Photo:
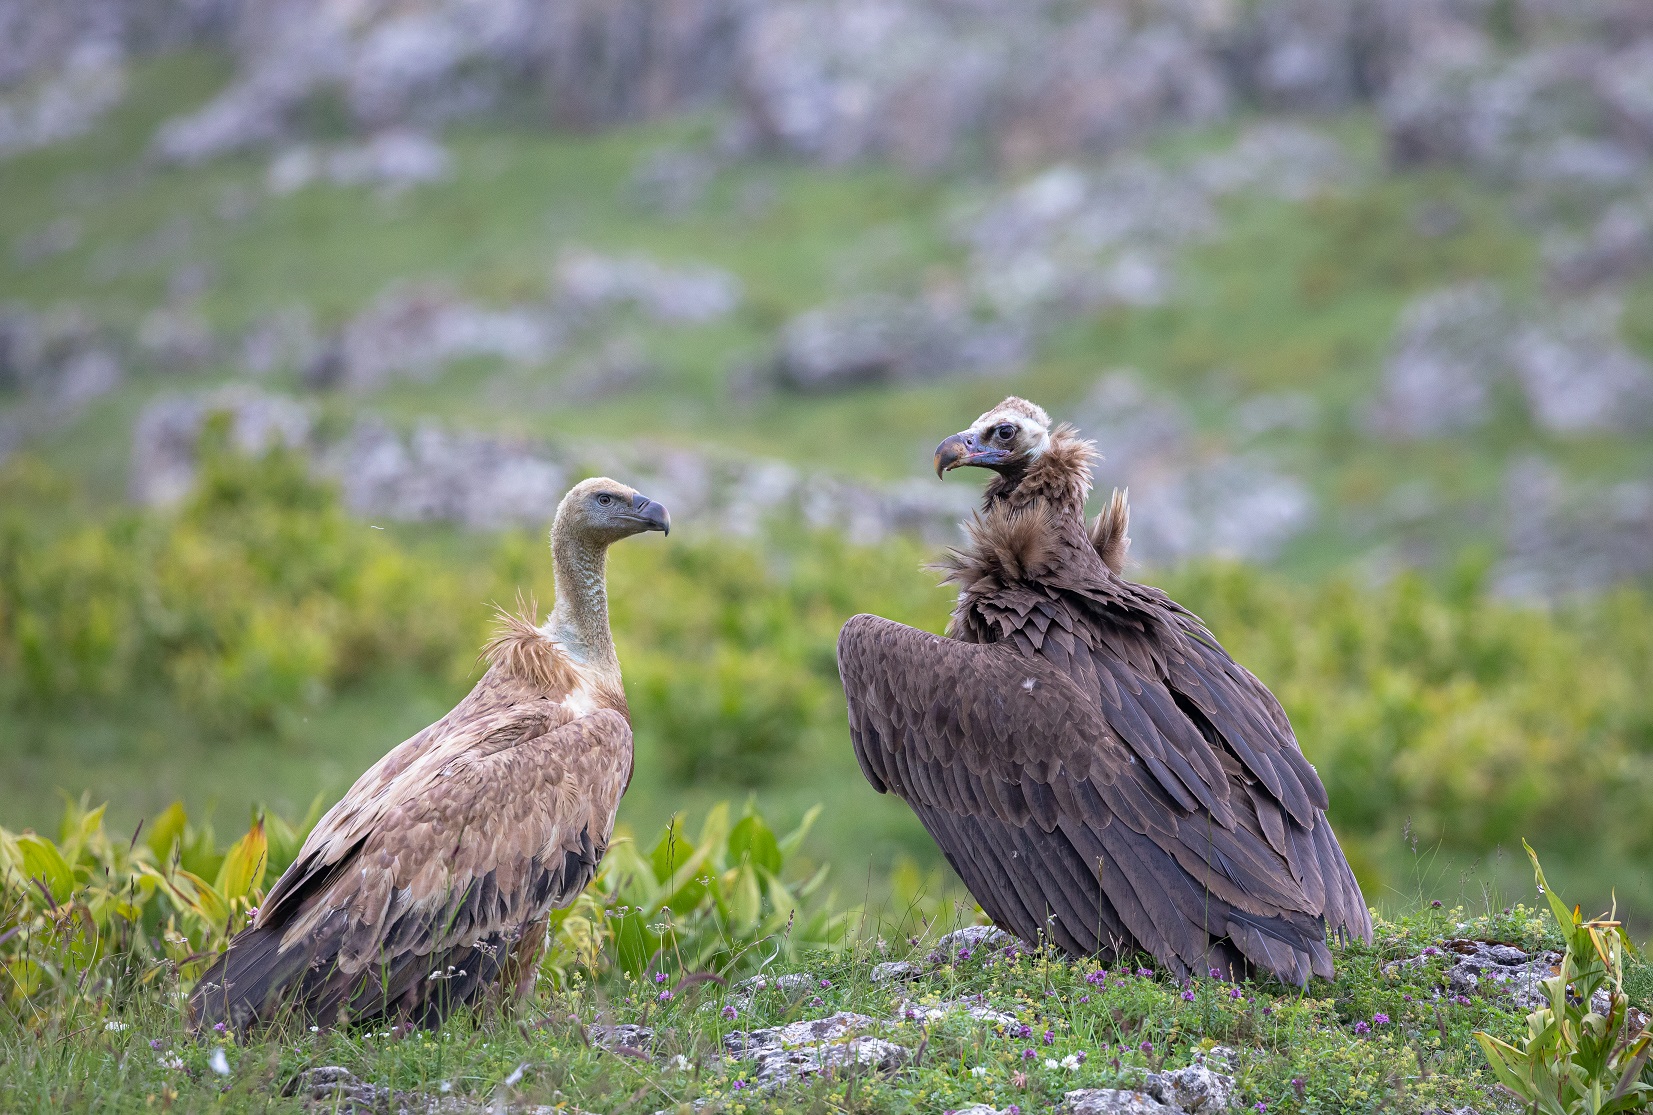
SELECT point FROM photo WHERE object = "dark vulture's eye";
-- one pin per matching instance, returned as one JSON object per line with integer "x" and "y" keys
{"x": 1005, "y": 432}
{"x": 605, "y": 499}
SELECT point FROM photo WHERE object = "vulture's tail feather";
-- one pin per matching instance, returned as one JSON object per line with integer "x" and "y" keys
{"x": 240, "y": 985}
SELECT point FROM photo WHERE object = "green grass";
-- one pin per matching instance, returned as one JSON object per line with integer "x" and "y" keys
{"x": 1302, "y": 1052}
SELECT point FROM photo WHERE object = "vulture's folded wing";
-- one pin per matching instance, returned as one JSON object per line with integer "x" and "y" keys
{"x": 1039, "y": 791}
{"x": 458, "y": 852}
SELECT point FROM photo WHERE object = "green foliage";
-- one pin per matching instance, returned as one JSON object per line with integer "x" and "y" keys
{"x": 1573, "y": 1059}
{"x": 250, "y": 602}
{"x": 722, "y": 902}
{"x": 93, "y": 910}
{"x": 91, "y": 913}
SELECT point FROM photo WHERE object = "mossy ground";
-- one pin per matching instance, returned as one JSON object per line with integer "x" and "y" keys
{"x": 1366, "y": 1042}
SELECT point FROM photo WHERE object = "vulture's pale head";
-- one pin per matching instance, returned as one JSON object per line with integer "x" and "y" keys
{"x": 1013, "y": 434}
{"x": 603, "y": 511}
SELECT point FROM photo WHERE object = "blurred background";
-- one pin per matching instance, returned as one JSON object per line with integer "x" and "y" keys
{"x": 311, "y": 309}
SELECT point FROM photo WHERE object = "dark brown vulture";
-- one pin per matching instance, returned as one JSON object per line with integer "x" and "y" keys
{"x": 1095, "y": 767}
{"x": 431, "y": 880}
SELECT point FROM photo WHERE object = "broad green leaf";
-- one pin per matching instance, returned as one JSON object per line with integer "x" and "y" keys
{"x": 42, "y": 861}
{"x": 794, "y": 840}
{"x": 753, "y": 841}
{"x": 242, "y": 872}
{"x": 167, "y": 830}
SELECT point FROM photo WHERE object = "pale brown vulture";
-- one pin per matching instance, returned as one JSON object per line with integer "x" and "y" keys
{"x": 432, "y": 879}
{"x": 1099, "y": 772}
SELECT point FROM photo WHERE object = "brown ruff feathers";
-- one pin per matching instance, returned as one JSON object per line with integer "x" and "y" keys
{"x": 1009, "y": 545}
{"x": 1110, "y": 532}
{"x": 521, "y": 649}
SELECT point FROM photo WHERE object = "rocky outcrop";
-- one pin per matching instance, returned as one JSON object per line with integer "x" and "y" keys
{"x": 784, "y": 1054}
{"x": 1190, "y": 495}
{"x": 434, "y": 473}
{"x": 1454, "y": 346}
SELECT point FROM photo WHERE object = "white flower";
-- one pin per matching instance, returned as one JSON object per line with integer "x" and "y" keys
{"x": 1050, "y": 1062}
{"x": 679, "y": 1063}
{"x": 219, "y": 1063}
{"x": 173, "y": 1062}
{"x": 979, "y": 1071}
{"x": 115, "y": 1027}
{"x": 315, "y": 1029}
{"x": 1071, "y": 1062}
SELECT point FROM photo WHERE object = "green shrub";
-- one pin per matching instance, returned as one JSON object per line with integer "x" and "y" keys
{"x": 1575, "y": 1059}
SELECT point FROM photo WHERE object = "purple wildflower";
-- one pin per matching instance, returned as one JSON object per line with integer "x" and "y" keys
{"x": 1081, "y": 1055}
{"x": 1013, "y": 1110}
{"x": 1406, "y": 998}
{"x": 1461, "y": 1000}
{"x": 1188, "y": 996}
{"x": 1267, "y": 1011}
{"x": 1380, "y": 1019}
{"x": 1236, "y": 993}
{"x": 156, "y": 1043}
{"x": 826, "y": 983}
{"x": 738, "y": 1085}
{"x": 1435, "y": 905}
{"x": 1216, "y": 974}
{"x": 219, "y": 1027}
{"x": 1145, "y": 973}
{"x": 1431, "y": 951}
{"x": 1146, "y": 1047}
{"x": 660, "y": 977}
{"x": 666, "y": 996}
{"x": 1028, "y": 1054}
{"x": 1084, "y": 998}
{"x": 730, "y": 1012}
{"x": 1050, "y": 1037}
{"x": 1362, "y": 1028}
{"x": 1298, "y": 1087}
{"x": 964, "y": 954}
{"x": 1261, "y": 1106}
{"x": 1025, "y": 1031}
{"x": 816, "y": 1001}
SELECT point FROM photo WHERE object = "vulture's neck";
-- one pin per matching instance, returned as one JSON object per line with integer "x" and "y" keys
{"x": 580, "y": 619}
{"x": 1057, "y": 481}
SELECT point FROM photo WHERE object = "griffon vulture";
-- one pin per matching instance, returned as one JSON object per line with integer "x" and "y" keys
{"x": 1095, "y": 767}
{"x": 432, "y": 879}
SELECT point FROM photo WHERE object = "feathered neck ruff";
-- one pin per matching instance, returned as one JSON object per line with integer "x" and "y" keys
{"x": 1022, "y": 531}
{"x": 1059, "y": 478}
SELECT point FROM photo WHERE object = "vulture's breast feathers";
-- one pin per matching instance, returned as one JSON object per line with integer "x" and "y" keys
{"x": 524, "y": 657}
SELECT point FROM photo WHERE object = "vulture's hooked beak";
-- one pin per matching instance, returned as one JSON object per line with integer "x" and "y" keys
{"x": 651, "y": 514}
{"x": 966, "y": 449}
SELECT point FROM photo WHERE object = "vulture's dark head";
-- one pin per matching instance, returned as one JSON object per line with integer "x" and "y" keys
{"x": 1006, "y": 439}
{"x": 1033, "y": 460}
{"x": 603, "y": 511}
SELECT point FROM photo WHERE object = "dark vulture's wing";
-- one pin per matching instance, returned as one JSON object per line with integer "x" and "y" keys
{"x": 1084, "y": 811}
{"x": 411, "y": 893}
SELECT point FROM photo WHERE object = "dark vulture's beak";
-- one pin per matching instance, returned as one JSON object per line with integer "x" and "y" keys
{"x": 651, "y": 514}
{"x": 966, "y": 449}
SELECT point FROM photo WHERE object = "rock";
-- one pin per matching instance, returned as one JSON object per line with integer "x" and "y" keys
{"x": 1188, "y": 498}
{"x": 1112, "y": 1101}
{"x": 623, "y": 1036}
{"x": 90, "y": 82}
{"x": 1480, "y": 966}
{"x": 437, "y": 475}
{"x": 56, "y": 359}
{"x": 893, "y": 971}
{"x": 415, "y": 331}
{"x": 1195, "y": 1089}
{"x": 881, "y": 339}
{"x": 176, "y": 337}
{"x": 1449, "y": 349}
{"x": 1578, "y": 375}
{"x": 1618, "y": 249}
{"x": 909, "y": 1011}
{"x": 53, "y": 239}
{"x": 801, "y": 1049}
{"x": 281, "y": 341}
{"x": 393, "y": 160}
{"x": 166, "y": 436}
{"x": 585, "y": 283}
{"x": 974, "y": 937}
{"x": 337, "y": 1091}
{"x": 1563, "y": 538}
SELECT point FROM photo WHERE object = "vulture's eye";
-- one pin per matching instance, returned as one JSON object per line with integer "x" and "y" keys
{"x": 605, "y": 499}
{"x": 1005, "y": 432}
